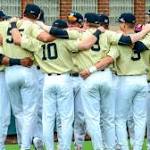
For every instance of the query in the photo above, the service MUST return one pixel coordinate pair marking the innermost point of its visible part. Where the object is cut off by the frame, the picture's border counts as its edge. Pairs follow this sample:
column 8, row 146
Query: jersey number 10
column 49, row 51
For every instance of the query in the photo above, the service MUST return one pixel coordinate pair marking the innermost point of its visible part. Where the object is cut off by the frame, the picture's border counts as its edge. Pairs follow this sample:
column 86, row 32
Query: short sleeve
column 113, row 52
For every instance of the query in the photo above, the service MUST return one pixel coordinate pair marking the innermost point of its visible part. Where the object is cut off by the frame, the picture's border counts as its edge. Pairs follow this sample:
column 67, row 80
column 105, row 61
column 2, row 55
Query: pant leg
column 123, row 103
column 21, row 88
column 148, row 118
column 91, row 101
column 108, row 111
column 49, row 112
column 65, row 104
column 5, row 112
column 30, row 96
column 130, row 125
column 58, row 128
column 38, row 132
column 79, row 121
column 140, row 113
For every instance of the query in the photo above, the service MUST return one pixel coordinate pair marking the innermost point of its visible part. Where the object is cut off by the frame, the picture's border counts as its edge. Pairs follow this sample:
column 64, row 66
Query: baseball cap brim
column 7, row 17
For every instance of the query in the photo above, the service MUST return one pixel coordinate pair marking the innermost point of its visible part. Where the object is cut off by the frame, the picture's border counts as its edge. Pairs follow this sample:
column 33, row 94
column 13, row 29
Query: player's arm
column 26, row 42
column 41, row 36
column 142, row 45
column 100, row 65
column 59, row 33
column 103, row 63
column 26, row 62
column 45, row 37
column 16, row 36
column 138, row 36
column 124, row 40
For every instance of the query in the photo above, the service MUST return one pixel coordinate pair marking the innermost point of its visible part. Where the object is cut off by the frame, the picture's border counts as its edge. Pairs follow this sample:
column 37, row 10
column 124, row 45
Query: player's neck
column 129, row 31
column 25, row 18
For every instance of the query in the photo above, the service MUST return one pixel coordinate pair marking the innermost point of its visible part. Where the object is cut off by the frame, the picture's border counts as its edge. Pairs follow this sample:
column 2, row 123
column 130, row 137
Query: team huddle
column 76, row 75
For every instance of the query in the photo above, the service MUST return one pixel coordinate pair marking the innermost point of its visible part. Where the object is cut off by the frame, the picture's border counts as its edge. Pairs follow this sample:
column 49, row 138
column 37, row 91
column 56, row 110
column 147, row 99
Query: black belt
column 50, row 74
column 38, row 67
column 148, row 81
column 75, row 74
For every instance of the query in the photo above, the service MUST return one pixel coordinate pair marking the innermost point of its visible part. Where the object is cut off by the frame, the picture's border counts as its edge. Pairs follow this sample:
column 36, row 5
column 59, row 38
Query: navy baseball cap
column 127, row 18
column 103, row 19
column 75, row 17
column 59, row 23
column 3, row 15
column 32, row 9
column 91, row 18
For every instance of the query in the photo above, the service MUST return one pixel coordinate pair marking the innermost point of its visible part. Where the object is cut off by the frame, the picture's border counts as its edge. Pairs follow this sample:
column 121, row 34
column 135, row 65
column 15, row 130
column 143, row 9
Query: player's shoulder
column 25, row 23
column 4, row 23
column 75, row 33
column 110, row 32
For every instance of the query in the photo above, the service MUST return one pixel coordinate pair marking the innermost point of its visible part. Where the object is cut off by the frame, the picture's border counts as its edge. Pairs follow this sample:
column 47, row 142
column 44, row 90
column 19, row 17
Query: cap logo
column 32, row 12
column 121, row 20
column 106, row 21
column 133, row 21
column 85, row 19
column 71, row 14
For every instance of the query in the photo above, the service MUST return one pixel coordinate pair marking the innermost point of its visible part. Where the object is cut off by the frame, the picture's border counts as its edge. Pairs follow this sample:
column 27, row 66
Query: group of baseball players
column 75, row 75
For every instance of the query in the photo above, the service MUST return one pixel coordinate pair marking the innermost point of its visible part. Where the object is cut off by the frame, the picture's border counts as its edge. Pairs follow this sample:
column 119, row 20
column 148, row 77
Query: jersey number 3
column 49, row 51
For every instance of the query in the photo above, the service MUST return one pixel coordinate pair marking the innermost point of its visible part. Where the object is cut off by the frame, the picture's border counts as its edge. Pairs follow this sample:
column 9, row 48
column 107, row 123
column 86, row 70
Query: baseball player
column 95, row 92
column 132, row 84
column 130, row 121
column 22, row 86
column 75, row 19
column 38, row 133
column 108, row 141
column 4, row 100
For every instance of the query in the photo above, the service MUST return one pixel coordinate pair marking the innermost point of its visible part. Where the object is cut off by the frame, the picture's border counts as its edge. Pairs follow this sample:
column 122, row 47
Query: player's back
column 126, row 62
column 55, row 57
column 99, row 50
column 12, row 50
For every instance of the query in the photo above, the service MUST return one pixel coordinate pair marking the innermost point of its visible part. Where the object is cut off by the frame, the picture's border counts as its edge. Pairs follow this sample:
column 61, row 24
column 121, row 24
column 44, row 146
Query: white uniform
column 98, row 92
column 5, row 112
column 131, row 92
column 21, row 83
column 55, row 60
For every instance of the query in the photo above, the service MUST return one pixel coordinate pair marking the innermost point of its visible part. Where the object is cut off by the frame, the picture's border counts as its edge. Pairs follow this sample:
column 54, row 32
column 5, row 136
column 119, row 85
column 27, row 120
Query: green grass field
column 87, row 146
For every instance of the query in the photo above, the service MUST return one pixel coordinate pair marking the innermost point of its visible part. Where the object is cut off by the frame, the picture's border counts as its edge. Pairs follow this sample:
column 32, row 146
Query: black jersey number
column 9, row 39
column 49, row 51
column 136, row 57
column 96, row 46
